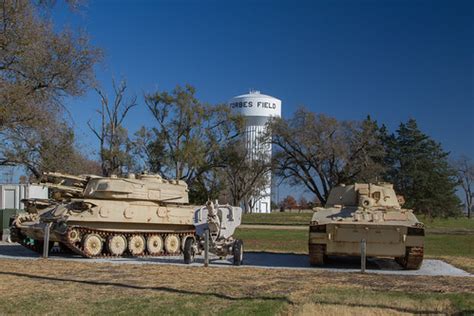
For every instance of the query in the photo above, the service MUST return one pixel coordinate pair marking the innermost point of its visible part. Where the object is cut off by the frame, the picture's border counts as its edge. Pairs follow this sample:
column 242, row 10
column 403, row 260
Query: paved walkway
column 262, row 260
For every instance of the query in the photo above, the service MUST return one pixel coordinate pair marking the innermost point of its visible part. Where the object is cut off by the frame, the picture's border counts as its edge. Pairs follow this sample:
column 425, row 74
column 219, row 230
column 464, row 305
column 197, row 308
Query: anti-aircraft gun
column 109, row 216
column 370, row 212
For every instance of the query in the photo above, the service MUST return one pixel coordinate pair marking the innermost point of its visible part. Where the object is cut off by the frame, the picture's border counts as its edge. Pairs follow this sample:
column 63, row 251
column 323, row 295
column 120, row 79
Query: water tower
column 257, row 109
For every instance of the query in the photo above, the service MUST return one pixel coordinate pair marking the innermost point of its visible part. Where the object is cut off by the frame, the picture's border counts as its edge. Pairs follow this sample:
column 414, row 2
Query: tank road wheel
column 238, row 252
column 154, row 245
column 189, row 250
column 136, row 245
column 172, row 244
column 92, row 245
column 74, row 236
column 316, row 254
column 117, row 245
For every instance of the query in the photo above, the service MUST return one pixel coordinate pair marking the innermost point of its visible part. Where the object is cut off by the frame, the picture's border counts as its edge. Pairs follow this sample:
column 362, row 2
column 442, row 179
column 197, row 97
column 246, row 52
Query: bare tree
column 303, row 203
column 38, row 68
column 37, row 65
column 188, row 140
column 321, row 152
column 47, row 147
column 114, row 145
column 245, row 178
column 465, row 174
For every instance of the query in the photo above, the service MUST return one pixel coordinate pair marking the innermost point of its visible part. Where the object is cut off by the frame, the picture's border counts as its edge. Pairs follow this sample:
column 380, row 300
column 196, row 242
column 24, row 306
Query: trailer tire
column 238, row 252
column 188, row 251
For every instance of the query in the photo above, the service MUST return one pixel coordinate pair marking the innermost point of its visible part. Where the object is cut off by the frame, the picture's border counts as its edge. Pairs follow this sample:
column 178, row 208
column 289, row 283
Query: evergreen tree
column 367, row 160
column 419, row 170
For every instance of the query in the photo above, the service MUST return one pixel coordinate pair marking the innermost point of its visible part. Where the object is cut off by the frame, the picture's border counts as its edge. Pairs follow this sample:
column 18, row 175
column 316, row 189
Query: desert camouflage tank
column 101, row 216
column 370, row 212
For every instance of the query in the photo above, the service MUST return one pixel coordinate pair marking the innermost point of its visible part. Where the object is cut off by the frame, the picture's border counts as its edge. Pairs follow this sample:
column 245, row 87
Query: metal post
column 363, row 257
column 206, row 247
column 47, row 229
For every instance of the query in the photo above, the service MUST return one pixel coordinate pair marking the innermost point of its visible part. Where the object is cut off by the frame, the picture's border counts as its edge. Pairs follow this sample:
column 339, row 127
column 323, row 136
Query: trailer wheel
column 188, row 251
column 238, row 251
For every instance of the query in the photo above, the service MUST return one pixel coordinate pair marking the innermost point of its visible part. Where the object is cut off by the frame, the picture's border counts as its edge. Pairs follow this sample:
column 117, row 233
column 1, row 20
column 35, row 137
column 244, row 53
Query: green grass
column 277, row 218
column 408, row 302
column 274, row 240
column 284, row 240
column 452, row 223
column 449, row 245
column 138, row 304
column 73, row 298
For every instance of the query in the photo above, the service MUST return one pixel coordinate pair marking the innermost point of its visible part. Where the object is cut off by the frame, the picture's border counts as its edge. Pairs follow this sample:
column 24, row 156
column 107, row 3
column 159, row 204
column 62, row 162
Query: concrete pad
column 263, row 260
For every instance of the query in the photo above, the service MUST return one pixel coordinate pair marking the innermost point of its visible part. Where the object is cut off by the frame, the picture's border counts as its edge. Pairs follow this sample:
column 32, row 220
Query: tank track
column 317, row 253
column 413, row 258
column 76, row 246
column 69, row 246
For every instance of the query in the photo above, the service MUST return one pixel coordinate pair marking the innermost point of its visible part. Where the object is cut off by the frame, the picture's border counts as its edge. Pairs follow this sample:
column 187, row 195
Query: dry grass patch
column 54, row 286
column 391, row 301
column 337, row 310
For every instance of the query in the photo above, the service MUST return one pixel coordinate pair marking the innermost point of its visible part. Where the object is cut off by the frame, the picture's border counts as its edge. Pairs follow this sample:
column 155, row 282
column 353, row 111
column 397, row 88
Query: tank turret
column 364, row 195
column 142, row 187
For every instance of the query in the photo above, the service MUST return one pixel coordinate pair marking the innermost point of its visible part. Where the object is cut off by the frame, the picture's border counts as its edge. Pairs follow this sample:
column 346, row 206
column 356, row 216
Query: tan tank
column 98, row 216
column 370, row 212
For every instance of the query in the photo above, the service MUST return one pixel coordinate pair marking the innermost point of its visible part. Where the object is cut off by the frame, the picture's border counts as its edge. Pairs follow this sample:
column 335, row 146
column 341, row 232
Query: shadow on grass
column 218, row 295
column 152, row 288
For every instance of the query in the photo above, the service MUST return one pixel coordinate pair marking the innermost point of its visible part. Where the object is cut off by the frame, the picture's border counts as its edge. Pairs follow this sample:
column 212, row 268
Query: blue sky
column 394, row 60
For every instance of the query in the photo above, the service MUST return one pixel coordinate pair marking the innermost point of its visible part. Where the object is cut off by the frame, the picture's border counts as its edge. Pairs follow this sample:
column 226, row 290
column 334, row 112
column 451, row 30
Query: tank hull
column 381, row 240
column 32, row 237
column 366, row 213
column 139, row 222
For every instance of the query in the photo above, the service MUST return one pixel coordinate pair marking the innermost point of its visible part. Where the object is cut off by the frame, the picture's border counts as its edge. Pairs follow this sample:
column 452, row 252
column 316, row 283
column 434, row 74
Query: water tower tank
column 257, row 109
